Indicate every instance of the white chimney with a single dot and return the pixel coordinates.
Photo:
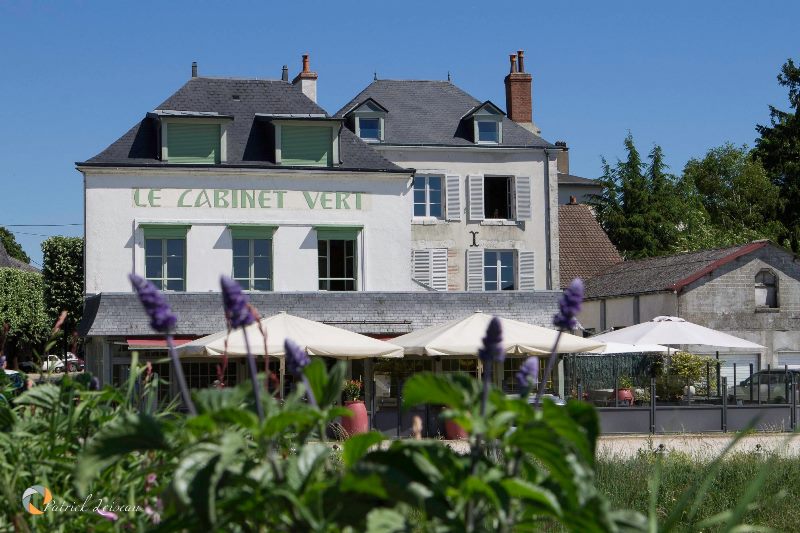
(307, 80)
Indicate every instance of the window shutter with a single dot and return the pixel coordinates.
(421, 266)
(306, 145)
(475, 270)
(193, 143)
(439, 269)
(475, 197)
(527, 280)
(523, 194)
(453, 198)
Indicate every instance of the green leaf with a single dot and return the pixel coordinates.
(386, 521)
(532, 495)
(566, 426)
(124, 434)
(428, 388)
(356, 446)
(317, 377)
(45, 396)
(7, 418)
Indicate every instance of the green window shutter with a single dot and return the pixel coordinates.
(306, 145)
(193, 143)
(165, 231)
(252, 231)
(337, 233)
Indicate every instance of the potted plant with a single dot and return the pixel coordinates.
(358, 422)
(625, 390)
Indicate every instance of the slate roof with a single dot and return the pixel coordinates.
(383, 313)
(430, 113)
(665, 273)
(571, 179)
(248, 140)
(6, 261)
(583, 247)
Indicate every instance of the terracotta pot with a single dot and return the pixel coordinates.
(625, 395)
(453, 431)
(359, 422)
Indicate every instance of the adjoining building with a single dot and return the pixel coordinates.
(414, 205)
(6, 261)
(751, 291)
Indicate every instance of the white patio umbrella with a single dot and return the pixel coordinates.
(613, 348)
(315, 338)
(673, 331)
(464, 336)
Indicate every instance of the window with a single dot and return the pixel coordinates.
(498, 197)
(498, 270)
(488, 131)
(460, 366)
(336, 254)
(766, 289)
(511, 366)
(428, 196)
(306, 145)
(165, 261)
(193, 143)
(369, 128)
(252, 263)
(202, 375)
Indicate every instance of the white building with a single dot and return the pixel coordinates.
(413, 205)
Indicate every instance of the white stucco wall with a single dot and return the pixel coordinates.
(114, 241)
(530, 235)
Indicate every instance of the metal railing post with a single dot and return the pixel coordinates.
(708, 380)
(372, 407)
(734, 384)
(652, 405)
(399, 405)
(616, 384)
(786, 381)
(725, 405)
(580, 391)
(769, 376)
(794, 402)
(751, 382)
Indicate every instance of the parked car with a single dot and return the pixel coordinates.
(767, 385)
(14, 388)
(29, 367)
(52, 363)
(74, 363)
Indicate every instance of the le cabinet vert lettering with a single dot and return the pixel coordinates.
(248, 199)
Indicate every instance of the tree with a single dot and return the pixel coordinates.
(62, 270)
(12, 246)
(22, 308)
(735, 192)
(778, 148)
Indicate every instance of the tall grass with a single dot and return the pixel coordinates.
(625, 482)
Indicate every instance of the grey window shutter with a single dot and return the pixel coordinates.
(421, 266)
(453, 197)
(523, 194)
(475, 270)
(525, 268)
(475, 182)
(439, 269)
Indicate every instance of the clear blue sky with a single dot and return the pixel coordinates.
(687, 75)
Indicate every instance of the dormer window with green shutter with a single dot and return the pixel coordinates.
(192, 138)
(306, 143)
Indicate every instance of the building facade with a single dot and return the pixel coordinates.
(353, 219)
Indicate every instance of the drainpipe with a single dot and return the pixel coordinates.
(548, 238)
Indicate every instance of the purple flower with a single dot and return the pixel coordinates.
(493, 343)
(296, 358)
(528, 374)
(162, 319)
(94, 383)
(569, 306)
(108, 515)
(236, 308)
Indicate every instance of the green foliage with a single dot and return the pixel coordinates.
(778, 148)
(22, 307)
(13, 248)
(62, 269)
(352, 389)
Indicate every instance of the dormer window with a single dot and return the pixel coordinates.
(488, 131)
(487, 123)
(196, 138)
(368, 119)
(304, 140)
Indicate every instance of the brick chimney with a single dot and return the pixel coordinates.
(519, 104)
(307, 80)
(562, 160)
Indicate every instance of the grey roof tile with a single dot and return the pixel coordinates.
(430, 113)
(248, 143)
(6, 261)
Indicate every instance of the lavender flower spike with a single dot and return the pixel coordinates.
(569, 306)
(493, 343)
(236, 308)
(296, 360)
(528, 374)
(162, 319)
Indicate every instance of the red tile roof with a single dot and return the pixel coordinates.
(584, 248)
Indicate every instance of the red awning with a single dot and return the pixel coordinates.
(153, 343)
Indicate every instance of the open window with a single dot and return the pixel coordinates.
(498, 197)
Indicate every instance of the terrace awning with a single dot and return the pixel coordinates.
(464, 336)
(315, 338)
